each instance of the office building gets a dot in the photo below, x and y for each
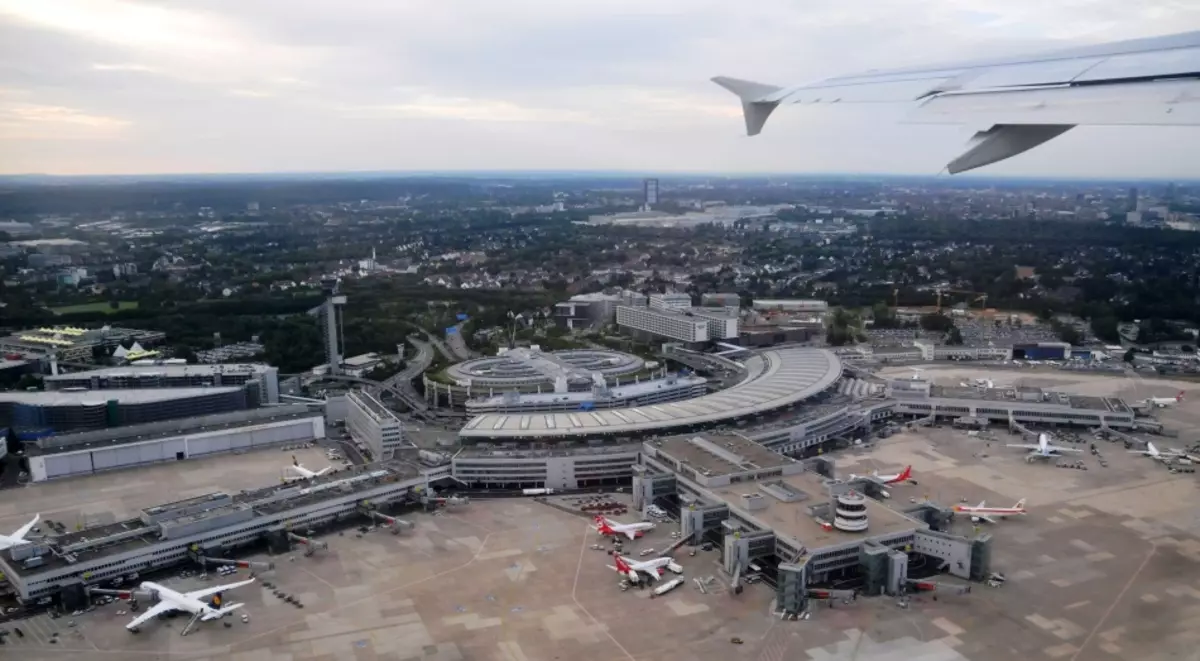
(649, 194)
(587, 310)
(373, 425)
(670, 301)
(723, 323)
(663, 324)
(720, 300)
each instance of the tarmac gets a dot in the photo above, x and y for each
(114, 495)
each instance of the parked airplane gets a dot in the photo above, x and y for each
(1161, 455)
(894, 478)
(191, 602)
(1043, 449)
(633, 570)
(18, 536)
(1015, 103)
(981, 511)
(303, 473)
(630, 530)
(1164, 402)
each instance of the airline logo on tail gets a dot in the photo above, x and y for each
(904, 476)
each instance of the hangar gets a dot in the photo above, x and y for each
(90, 452)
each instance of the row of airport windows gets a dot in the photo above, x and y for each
(755, 476)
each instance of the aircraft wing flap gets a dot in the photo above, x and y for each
(1165, 103)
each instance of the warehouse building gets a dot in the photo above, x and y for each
(33, 414)
(764, 509)
(84, 453)
(373, 425)
(215, 523)
(261, 381)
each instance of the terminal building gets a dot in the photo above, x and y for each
(260, 381)
(1029, 406)
(34, 414)
(775, 381)
(572, 467)
(84, 453)
(761, 508)
(373, 425)
(214, 524)
(654, 391)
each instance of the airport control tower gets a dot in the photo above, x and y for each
(331, 324)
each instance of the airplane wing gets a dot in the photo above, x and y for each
(323, 471)
(206, 592)
(24, 530)
(984, 517)
(1017, 102)
(631, 534)
(1024, 446)
(152, 612)
(1059, 448)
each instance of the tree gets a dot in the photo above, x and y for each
(1105, 328)
(1129, 356)
(936, 322)
(954, 337)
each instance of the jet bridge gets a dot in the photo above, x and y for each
(196, 554)
(310, 545)
(392, 523)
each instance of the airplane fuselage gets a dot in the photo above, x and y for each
(180, 601)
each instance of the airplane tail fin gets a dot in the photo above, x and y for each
(1020, 504)
(907, 474)
(295, 461)
(1179, 397)
(756, 110)
(218, 613)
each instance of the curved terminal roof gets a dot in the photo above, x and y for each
(776, 379)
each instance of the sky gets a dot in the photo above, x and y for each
(206, 86)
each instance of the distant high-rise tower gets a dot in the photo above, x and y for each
(650, 193)
(1133, 198)
(331, 324)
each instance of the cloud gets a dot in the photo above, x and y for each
(30, 121)
(469, 84)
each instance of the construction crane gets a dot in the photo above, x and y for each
(980, 297)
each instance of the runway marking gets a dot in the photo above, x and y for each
(1115, 601)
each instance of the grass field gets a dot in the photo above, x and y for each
(101, 306)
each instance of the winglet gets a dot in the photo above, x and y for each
(752, 94)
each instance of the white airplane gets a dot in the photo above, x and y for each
(1042, 449)
(631, 530)
(981, 511)
(895, 478)
(303, 473)
(18, 536)
(916, 373)
(1164, 402)
(1016, 103)
(1161, 455)
(191, 602)
(633, 570)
